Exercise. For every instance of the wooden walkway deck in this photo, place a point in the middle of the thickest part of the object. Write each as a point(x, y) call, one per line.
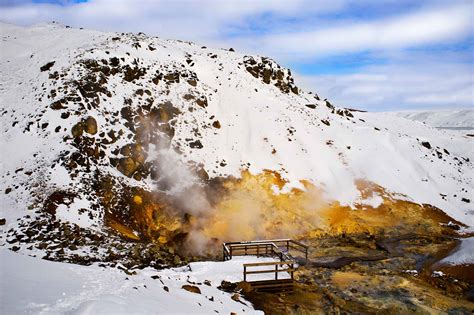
point(283, 270)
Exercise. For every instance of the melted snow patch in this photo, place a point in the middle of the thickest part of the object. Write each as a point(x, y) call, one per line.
point(463, 255)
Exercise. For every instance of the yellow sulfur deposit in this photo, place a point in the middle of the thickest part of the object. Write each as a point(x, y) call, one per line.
point(137, 199)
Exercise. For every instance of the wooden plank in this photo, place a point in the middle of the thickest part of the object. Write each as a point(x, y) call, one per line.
point(281, 281)
point(270, 263)
point(276, 288)
point(270, 271)
point(300, 244)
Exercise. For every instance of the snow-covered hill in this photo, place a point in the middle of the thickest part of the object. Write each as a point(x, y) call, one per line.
point(463, 118)
point(223, 110)
point(130, 149)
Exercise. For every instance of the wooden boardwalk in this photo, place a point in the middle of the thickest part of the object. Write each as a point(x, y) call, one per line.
point(280, 273)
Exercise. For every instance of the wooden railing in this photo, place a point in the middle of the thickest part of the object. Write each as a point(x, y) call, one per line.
point(289, 270)
point(280, 249)
point(264, 248)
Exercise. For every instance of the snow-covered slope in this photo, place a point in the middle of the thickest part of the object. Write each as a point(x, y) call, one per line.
point(462, 118)
point(29, 285)
point(227, 112)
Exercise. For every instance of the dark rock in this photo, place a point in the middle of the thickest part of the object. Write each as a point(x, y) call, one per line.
point(77, 129)
point(202, 101)
point(90, 125)
point(196, 144)
point(216, 124)
point(227, 286)
point(312, 106)
point(114, 62)
point(127, 166)
point(426, 144)
point(3, 221)
point(47, 66)
point(131, 74)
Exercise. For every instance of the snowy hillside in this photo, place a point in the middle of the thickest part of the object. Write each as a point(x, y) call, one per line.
point(463, 118)
point(130, 151)
point(224, 110)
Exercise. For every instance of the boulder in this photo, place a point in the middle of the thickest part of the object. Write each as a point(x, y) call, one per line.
point(90, 125)
point(191, 288)
point(216, 124)
point(77, 130)
point(127, 166)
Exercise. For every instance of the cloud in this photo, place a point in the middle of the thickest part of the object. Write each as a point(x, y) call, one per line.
point(266, 26)
point(204, 21)
point(400, 86)
point(427, 26)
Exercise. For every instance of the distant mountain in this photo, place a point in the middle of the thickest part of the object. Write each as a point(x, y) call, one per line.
point(463, 118)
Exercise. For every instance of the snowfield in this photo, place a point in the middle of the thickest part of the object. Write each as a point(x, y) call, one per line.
point(462, 118)
point(31, 285)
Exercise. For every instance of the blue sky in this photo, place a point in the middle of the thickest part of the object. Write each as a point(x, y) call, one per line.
point(370, 54)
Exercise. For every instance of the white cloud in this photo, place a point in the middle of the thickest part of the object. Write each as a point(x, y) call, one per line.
point(427, 26)
point(401, 86)
point(208, 21)
point(204, 21)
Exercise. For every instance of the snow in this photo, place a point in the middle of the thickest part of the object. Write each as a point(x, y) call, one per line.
point(232, 270)
point(462, 118)
point(72, 213)
point(32, 285)
point(462, 255)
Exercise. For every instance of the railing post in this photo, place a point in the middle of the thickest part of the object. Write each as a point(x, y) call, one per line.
point(291, 266)
point(276, 272)
point(288, 246)
point(245, 273)
point(258, 247)
point(245, 250)
point(230, 252)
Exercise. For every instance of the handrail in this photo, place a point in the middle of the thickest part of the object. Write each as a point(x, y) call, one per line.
point(248, 246)
point(291, 268)
point(270, 263)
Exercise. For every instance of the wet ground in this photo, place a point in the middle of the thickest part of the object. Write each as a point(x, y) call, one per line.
point(376, 275)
